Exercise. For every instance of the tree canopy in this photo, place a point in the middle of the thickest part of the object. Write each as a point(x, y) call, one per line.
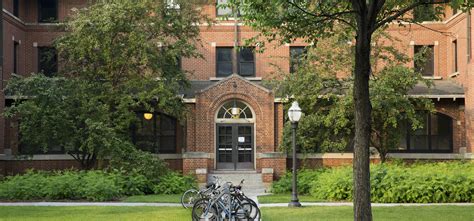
point(116, 57)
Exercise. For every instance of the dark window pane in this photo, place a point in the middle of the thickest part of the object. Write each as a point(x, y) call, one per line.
point(296, 54)
point(247, 62)
point(16, 8)
point(425, 65)
point(47, 61)
point(246, 55)
point(224, 69)
point(441, 132)
point(16, 48)
point(48, 10)
point(224, 62)
point(455, 55)
point(419, 139)
point(157, 135)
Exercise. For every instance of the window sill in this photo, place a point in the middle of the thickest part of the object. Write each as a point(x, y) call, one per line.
point(248, 78)
point(453, 75)
point(433, 77)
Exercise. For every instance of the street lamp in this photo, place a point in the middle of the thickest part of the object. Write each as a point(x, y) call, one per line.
point(294, 113)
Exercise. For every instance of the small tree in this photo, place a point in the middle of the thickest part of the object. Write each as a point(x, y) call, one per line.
point(116, 57)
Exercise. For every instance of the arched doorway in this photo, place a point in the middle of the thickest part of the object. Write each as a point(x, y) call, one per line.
point(235, 136)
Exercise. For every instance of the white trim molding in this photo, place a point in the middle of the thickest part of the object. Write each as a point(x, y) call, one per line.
point(421, 156)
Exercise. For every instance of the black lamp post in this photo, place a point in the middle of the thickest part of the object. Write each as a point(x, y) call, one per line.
point(294, 114)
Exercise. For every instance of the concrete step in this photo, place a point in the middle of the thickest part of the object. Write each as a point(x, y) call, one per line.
point(253, 184)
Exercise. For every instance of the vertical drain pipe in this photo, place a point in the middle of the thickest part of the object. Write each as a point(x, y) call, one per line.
point(469, 35)
point(235, 67)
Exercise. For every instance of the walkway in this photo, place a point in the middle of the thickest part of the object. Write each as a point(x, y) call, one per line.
point(178, 205)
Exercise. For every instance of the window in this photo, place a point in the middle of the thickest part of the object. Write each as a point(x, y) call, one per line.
point(224, 61)
point(16, 8)
point(455, 56)
point(16, 47)
point(296, 54)
point(246, 62)
point(223, 11)
point(424, 13)
point(435, 136)
point(157, 135)
point(424, 63)
point(47, 61)
point(47, 10)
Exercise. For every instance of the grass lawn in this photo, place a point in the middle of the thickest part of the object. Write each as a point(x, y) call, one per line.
point(426, 213)
point(93, 213)
point(173, 198)
point(343, 213)
point(285, 198)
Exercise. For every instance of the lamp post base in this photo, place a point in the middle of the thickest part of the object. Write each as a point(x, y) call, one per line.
point(294, 204)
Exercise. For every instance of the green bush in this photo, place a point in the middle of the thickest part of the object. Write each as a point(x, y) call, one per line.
point(101, 186)
point(398, 183)
point(69, 185)
point(174, 183)
point(305, 179)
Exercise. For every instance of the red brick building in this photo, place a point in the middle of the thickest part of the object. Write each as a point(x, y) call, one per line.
point(235, 123)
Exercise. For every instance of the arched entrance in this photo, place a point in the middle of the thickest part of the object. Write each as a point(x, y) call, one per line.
point(235, 136)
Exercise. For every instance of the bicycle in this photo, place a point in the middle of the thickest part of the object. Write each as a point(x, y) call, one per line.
point(190, 196)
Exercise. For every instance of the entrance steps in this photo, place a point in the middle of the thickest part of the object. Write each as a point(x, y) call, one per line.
point(253, 185)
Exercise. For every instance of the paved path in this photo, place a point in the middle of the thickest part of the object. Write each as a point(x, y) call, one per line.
point(178, 205)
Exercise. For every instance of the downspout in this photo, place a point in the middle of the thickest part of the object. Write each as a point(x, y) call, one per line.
point(1, 44)
point(469, 35)
point(235, 67)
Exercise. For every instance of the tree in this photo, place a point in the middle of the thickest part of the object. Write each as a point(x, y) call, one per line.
point(116, 57)
point(326, 99)
point(286, 20)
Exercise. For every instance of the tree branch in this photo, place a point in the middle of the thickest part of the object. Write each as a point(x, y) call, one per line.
point(333, 16)
point(400, 12)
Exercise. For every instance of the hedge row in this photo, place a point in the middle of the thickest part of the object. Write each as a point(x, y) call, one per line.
point(392, 183)
point(93, 185)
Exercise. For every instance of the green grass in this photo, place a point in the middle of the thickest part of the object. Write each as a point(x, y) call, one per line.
point(344, 213)
point(92, 213)
point(172, 198)
point(285, 198)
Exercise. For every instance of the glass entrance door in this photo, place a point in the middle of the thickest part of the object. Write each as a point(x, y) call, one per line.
point(234, 146)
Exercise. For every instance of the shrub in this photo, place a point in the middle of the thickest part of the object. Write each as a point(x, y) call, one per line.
point(132, 162)
point(305, 179)
point(398, 183)
point(70, 185)
point(100, 186)
point(174, 183)
point(24, 187)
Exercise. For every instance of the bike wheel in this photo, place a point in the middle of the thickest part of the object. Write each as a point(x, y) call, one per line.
point(202, 211)
point(249, 211)
point(189, 198)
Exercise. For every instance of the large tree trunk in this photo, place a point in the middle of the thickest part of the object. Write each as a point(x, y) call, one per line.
point(361, 162)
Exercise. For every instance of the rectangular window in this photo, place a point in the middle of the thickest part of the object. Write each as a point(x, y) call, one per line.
point(247, 62)
point(424, 61)
point(16, 48)
point(224, 61)
point(47, 10)
point(296, 54)
point(435, 136)
point(47, 61)
point(156, 135)
point(455, 56)
point(223, 11)
point(16, 8)
point(424, 13)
